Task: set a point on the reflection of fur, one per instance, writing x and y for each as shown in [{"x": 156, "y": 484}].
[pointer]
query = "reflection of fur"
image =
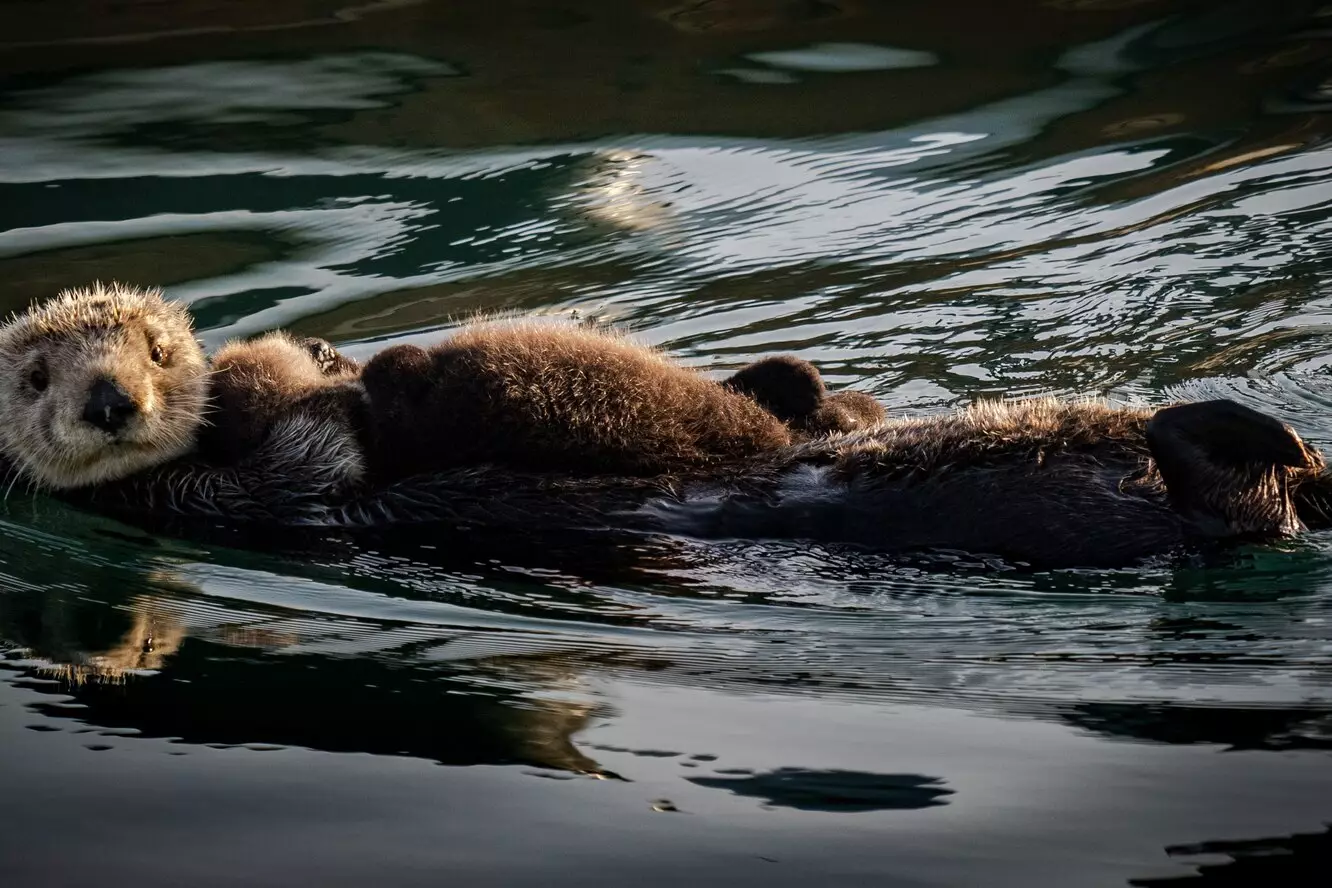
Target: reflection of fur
[
  {"x": 146, "y": 638},
  {"x": 151, "y": 639},
  {"x": 97, "y": 384},
  {"x": 226, "y": 695}
]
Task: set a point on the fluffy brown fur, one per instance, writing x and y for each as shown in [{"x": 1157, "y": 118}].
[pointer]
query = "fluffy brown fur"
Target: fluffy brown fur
[
  {"x": 531, "y": 397},
  {"x": 606, "y": 404},
  {"x": 67, "y": 364},
  {"x": 543, "y": 397},
  {"x": 278, "y": 378},
  {"x": 989, "y": 431}
]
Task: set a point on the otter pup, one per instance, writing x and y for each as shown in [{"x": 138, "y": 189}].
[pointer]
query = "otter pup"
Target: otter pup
[
  {"x": 532, "y": 397},
  {"x": 541, "y": 397},
  {"x": 259, "y": 383},
  {"x": 97, "y": 384}
]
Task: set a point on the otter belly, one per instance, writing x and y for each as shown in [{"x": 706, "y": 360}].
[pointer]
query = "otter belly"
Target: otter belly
[{"x": 1065, "y": 512}]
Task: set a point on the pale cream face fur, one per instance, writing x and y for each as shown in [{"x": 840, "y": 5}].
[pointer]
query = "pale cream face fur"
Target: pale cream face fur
[{"x": 51, "y": 355}]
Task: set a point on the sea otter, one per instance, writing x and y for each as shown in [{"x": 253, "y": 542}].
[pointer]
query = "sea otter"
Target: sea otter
[
  {"x": 131, "y": 379},
  {"x": 1047, "y": 482},
  {"x": 553, "y": 398},
  {"x": 98, "y": 384},
  {"x": 261, "y": 383},
  {"x": 528, "y": 396}
]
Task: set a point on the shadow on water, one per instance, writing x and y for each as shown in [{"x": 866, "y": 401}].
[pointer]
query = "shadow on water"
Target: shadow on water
[
  {"x": 808, "y": 790},
  {"x": 1294, "y": 860},
  {"x": 934, "y": 201}
]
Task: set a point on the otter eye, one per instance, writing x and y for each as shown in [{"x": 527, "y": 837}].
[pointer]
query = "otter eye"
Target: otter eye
[
  {"x": 158, "y": 354},
  {"x": 38, "y": 379}
]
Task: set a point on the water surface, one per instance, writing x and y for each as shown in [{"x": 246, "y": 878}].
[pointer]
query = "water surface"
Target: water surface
[{"x": 933, "y": 201}]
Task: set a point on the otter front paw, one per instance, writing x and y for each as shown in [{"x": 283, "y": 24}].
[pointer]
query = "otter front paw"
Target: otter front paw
[{"x": 330, "y": 361}]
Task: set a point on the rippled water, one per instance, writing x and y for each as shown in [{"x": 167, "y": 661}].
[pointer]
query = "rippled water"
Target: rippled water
[{"x": 935, "y": 202}]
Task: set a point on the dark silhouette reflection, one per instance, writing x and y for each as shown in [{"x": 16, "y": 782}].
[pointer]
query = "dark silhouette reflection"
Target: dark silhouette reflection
[
  {"x": 133, "y": 667},
  {"x": 1234, "y": 727},
  {"x": 1293, "y": 861},
  {"x": 835, "y": 790}
]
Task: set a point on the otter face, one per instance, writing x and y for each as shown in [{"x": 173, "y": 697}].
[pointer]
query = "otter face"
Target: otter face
[{"x": 98, "y": 384}]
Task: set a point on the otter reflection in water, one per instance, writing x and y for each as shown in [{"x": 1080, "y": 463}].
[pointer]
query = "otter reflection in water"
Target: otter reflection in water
[
  {"x": 83, "y": 644},
  {"x": 137, "y": 667}
]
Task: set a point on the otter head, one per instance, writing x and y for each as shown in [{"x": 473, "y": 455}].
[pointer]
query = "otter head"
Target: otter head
[{"x": 97, "y": 384}]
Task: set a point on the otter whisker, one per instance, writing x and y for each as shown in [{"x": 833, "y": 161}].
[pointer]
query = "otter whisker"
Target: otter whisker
[{"x": 10, "y": 489}]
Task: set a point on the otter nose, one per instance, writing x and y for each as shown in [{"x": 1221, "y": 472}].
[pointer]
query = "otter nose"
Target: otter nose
[{"x": 108, "y": 407}]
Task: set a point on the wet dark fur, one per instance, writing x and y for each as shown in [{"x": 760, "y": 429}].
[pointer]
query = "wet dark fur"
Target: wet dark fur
[
  {"x": 1046, "y": 482},
  {"x": 1050, "y": 483}
]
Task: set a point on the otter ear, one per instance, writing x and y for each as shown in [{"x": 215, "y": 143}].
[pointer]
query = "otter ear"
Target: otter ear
[{"x": 1216, "y": 459}]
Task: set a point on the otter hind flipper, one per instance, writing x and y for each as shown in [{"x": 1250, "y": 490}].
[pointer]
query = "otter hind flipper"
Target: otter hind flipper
[
  {"x": 1231, "y": 434},
  {"x": 1225, "y": 465}
]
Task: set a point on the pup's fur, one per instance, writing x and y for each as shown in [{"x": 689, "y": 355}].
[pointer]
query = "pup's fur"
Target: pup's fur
[{"x": 542, "y": 397}]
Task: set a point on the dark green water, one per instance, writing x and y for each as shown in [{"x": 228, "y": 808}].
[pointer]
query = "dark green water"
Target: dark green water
[{"x": 935, "y": 201}]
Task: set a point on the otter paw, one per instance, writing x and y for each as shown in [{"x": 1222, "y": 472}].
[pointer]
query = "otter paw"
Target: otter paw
[
  {"x": 331, "y": 362},
  {"x": 1228, "y": 433},
  {"x": 1217, "y": 460}
]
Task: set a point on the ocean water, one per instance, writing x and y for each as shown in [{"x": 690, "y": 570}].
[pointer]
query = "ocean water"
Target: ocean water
[{"x": 934, "y": 201}]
